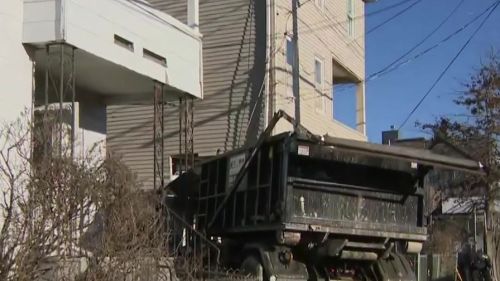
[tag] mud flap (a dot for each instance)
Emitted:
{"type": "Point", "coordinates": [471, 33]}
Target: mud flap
{"type": "Point", "coordinates": [394, 268]}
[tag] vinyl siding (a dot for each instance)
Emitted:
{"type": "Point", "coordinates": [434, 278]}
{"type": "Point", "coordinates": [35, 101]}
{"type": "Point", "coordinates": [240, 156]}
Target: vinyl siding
{"type": "Point", "coordinates": [234, 45]}
{"type": "Point", "coordinates": [322, 34]}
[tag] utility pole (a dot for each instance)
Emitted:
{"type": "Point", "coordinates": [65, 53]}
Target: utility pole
{"type": "Point", "coordinates": [295, 67]}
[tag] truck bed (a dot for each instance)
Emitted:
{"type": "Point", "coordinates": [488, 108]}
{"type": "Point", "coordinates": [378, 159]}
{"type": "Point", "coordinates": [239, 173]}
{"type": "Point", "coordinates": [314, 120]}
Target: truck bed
{"type": "Point", "coordinates": [295, 184]}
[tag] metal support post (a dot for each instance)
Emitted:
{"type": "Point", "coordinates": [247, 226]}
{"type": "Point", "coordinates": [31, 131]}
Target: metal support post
{"type": "Point", "coordinates": [181, 122]}
{"type": "Point", "coordinates": [59, 88]}
{"type": "Point", "coordinates": [189, 133]}
{"type": "Point", "coordinates": [158, 136]}
{"type": "Point", "coordinates": [73, 96]}
{"type": "Point", "coordinates": [186, 133]}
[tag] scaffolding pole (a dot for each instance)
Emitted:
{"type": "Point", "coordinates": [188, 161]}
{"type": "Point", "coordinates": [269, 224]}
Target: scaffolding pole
{"type": "Point", "coordinates": [159, 136]}
{"type": "Point", "coordinates": [186, 133]}
{"type": "Point", "coordinates": [59, 88]}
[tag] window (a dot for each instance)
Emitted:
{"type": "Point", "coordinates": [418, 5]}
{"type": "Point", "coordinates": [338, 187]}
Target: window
{"type": "Point", "coordinates": [290, 58]}
{"type": "Point", "coordinates": [350, 17]}
{"type": "Point", "coordinates": [320, 4]}
{"type": "Point", "coordinates": [319, 78]}
{"type": "Point", "coordinates": [154, 57]}
{"type": "Point", "coordinates": [290, 51]}
{"type": "Point", "coordinates": [122, 42]}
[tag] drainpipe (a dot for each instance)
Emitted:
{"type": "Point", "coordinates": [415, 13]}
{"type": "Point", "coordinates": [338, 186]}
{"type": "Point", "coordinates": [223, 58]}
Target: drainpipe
{"type": "Point", "coordinates": [193, 17]}
{"type": "Point", "coordinates": [267, 74]}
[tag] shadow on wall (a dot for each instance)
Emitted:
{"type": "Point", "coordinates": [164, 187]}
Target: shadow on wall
{"type": "Point", "coordinates": [249, 127]}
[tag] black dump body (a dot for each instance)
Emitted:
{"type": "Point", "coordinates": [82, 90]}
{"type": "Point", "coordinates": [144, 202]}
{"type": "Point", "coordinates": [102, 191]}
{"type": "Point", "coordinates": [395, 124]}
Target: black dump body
{"type": "Point", "coordinates": [303, 184]}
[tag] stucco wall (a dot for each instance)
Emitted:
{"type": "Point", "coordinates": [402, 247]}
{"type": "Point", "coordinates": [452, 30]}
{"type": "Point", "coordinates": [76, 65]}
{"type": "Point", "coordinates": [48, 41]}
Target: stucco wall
{"type": "Point", "coordinates": [15, 65]}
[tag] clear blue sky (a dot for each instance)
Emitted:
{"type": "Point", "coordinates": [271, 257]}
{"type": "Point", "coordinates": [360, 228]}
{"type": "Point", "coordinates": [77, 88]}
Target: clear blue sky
{"type": "Point", "coordinates": [391, 97]}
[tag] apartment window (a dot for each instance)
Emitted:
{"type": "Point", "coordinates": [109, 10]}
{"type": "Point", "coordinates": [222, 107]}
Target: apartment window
{"type": "Point", "coordinates": [319, 78]}
{"type": "Point", "coordinates": [290, 51]}
{"type": "Point", "coordinates": [351, 14]}
{"type": "Point", "coordinates": [320, 4]}
{"type": "Point", "coordinates": [290, 58]}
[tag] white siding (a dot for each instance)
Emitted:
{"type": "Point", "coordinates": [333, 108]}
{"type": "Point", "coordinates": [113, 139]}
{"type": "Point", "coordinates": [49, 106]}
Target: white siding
{"type": "Point", "coordinates": [15, 65]}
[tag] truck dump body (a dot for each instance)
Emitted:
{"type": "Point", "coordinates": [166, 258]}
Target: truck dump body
{"type": "Point", "coordinates": [297, 184]}
{"type": "Point", "coordinates": [297, 206]}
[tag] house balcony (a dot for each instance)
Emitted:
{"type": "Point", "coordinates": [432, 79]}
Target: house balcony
{"type": "Point", "coordinates": [113, 49]}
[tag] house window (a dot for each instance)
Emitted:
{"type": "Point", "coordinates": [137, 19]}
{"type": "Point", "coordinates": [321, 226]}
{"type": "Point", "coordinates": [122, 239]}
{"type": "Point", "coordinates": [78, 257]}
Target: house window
{"type": "Point", "coordinates": [290, 58]}
{"type": "Point", "coordinates": [290, 51]}
{"type": "Point", "coordinates": [350, 17]}
{"type": "Point", "coordinates": [319, 77]}
{"type": "Point", "coordinates": [320, 4]}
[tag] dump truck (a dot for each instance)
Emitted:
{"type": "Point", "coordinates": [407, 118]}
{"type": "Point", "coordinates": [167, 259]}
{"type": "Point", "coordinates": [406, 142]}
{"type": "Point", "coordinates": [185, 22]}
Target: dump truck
{"type": "Point", "coordinates": [297, 206]}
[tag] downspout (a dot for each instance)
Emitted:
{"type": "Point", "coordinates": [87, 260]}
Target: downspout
{"type": "Point", "coordinates": [270, 44]}
{"type": "Point", "coordinates": [193, 16]}
{"type": "Point", "coordinates": [193, 21]}
{"type": "Point", "coordinates": [268, 53]}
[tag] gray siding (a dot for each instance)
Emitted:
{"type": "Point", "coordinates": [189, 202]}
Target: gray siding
{"type": "Point", "coordinates": [234, 48]}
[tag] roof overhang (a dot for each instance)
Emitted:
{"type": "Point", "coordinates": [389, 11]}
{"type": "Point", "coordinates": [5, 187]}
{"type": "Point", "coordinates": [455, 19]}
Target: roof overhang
{"type": "Point", "coordinates": [120, 46]}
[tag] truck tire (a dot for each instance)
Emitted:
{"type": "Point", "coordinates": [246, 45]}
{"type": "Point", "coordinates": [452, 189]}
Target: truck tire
{"type": "Point", "coordinates": [251, 265]}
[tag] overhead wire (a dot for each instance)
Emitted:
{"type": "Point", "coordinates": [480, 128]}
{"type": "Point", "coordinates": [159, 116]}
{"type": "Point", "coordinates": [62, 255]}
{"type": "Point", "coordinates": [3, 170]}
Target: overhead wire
{"type": "Point", "coordinates": [398, 14]}
{"type": "Point", "coordinates": [334, 25]}
{"type": "Point", "coordinates": [448, 66]}
{"type": "Point", "coordinates": [406, 9]}
{"type": "Point", "coordinates": [327, 23]}
{"type": "Point", "coordinates": [429, 49]}
{"type": "Point", "coordinates": [395, 66]}
{"type": "Point", "coordinates": [430, 34]}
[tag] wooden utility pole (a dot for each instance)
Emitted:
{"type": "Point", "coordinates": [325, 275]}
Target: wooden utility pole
{"type": "Point", "coordinates": [295, 67]}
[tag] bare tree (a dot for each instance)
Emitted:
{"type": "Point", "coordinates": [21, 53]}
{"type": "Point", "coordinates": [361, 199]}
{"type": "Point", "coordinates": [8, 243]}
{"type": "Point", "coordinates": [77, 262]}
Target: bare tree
{"type": "Point", "coordinates": [478, 133]}
{"type": "Point", "coordinates": [73, 219]}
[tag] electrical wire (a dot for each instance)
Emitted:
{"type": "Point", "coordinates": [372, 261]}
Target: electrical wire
{"type": "Point", "coordinates": [388, 69]}
{"type": "Point", "coordinates": [327, 23]}
{"type": "Point", "coordinates": [391, 18]}
{"type": "Point", "coordinates": [441, 75]}
{"type": "Point", "coordinates": [444, 21]}
{"type": "Point", "coordinates": [429, 49]}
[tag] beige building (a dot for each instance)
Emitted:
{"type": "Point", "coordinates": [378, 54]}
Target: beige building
{"type": "Point", "coordinates": [247, 76]}
{"type": "Point", "coordinates": [331, 51]}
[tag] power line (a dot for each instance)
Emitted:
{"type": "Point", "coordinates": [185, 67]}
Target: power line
{"type": "Point", "coordinates": [392, 18]}
{"type": "Point", "coordinates": [445, 39]}
{"type": "Point", "coordinates": [388, 69]}
{"type": "Point", "coordinates": [327, 23]}
{"type": "Point", "coordinates": [449, 65]}
{"type": "Point", "coordinates": [421, 41]}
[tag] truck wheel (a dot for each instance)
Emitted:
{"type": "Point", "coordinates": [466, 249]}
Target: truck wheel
{"type": "Point", "coordinates": [251, 265]}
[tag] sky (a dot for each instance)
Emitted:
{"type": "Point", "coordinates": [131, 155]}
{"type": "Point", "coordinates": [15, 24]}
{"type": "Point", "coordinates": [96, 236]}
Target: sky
{"type": "Point", "coordinates": [390, 98]}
